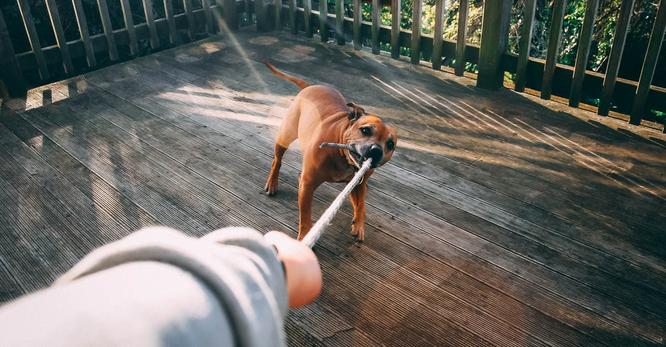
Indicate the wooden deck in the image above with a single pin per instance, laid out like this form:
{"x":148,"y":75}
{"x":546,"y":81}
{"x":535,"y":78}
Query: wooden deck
{"x":501,"y":220}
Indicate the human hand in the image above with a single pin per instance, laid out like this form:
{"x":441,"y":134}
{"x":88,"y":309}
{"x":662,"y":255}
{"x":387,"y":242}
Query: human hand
{"x":302,"y":270}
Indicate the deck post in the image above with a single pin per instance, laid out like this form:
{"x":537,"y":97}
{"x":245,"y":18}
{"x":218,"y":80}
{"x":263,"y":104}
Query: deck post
{"x":11,"y":71}
{"x":494,"y":37}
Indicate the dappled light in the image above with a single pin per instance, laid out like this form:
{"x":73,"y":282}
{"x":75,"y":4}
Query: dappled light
{"x":500,"y":219}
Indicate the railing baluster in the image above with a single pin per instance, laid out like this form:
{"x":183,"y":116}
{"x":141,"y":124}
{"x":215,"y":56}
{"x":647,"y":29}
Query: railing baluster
{"x":584,"y":44}
{"x":82,"y":23}
{"x":230,"y":14}
{"x":108,"y":30}
{"x":187,"y":5}
{"x":615,"y":57}
{"x":129,"y":24}
{"x":437,"y":40}
{"x":357,"y":24}
{"x":375,"y":26}
{"x":553,"y":48}
{"x":150,"y":21}
{"x":395,"y":29}
{"x":210,"y":27}
{"x":323,"y":20}
{"x":171,"y":21}
{"x":33,"y":38}
{"x":649,"y":65}
{"x":461,"y":39}
{"x":278,"y":14}
{"x":292,"y":16}
{"x":416,"y":31}
{"x":525,"y":43}
{"x":339,"y":22}
{"x":307,"y":15}
{"x":260,"y":12}
{"x":61,"y":41}
{"x":11,"y":70}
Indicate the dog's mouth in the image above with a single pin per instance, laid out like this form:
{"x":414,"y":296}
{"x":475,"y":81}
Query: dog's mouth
{"x":354,"y":157}
{"x":353,"y":153}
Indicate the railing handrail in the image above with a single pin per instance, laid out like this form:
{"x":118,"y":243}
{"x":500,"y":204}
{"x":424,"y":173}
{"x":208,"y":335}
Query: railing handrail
{"x":491,"y":56}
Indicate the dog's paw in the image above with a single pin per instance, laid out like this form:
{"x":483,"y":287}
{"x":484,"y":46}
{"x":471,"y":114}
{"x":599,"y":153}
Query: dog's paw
{"x":358,"y":231}
{"x":270,"y":188}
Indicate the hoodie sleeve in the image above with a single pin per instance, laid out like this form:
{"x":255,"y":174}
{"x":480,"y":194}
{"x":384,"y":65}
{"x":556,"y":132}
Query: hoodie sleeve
{"x":160,"y":287}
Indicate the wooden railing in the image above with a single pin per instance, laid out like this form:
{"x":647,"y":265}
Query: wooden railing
{"x":633,"y":98}
{"x":54,"y":62}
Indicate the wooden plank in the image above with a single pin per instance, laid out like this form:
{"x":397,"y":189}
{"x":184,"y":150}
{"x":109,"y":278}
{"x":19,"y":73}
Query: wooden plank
{"x":323,"y":20}
{"x":395,"y":29}
{"x":649,"y":65}
{"x":171,"y":21}
{"x":552,"y":55}
{"x":416,"y":31}
{"x":129,"y":25}
{"x":583,"y":52}
{"x":188,"y":113}
{"x":615,"y":56}
{"x":339,"y":22}
{"x":210,"y":23}
{"x":461,"y":38}
{"x":307,"y":17}
{"x":529,"y":10}
{"x":108,"y":29}
{"x":33,"y":38}
{"x":278,"y":14}
{"x":292,"y":16}
{"x":437,"y":38}
{"x":59,"y":33}
{"x":117,"y":205}
{"x":82,"y":24}
{"x":191,"y":24}
{"x":11,"y":74}
{"x":358,"y":43}
{"x":494,"y":37}
{"x":150,"y":21}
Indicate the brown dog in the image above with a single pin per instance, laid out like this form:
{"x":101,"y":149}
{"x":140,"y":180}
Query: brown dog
{"x":320,"y":114}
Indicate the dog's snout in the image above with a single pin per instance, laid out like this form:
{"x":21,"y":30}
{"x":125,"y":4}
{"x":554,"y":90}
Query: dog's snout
{"x":376,"y":153}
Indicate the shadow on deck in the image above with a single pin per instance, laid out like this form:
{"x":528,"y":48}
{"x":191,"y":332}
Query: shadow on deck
{"x":502,"y":219}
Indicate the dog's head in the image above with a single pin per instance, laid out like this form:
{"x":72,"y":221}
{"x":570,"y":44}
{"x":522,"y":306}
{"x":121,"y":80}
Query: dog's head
{"x":370,"y":137}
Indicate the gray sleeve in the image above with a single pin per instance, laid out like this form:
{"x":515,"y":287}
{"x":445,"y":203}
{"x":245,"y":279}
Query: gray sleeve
{"x":160,"y":287}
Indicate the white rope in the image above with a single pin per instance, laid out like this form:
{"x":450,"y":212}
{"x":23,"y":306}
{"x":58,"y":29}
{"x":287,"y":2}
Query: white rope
{"x":325,"y":220}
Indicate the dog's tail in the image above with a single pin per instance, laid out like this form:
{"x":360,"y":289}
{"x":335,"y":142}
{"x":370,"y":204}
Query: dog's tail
{"x":299,"y":82}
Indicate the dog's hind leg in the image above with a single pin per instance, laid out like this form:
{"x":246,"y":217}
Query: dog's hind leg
{"x":287,"y":134}
{"x":272,"y":182}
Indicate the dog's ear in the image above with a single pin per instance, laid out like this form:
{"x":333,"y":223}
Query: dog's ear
{"x":356,"y":111}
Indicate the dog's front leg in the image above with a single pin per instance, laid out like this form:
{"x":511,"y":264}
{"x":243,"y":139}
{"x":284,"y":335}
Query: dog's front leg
{"x":305,"y":194}
{"x":358,"y":203}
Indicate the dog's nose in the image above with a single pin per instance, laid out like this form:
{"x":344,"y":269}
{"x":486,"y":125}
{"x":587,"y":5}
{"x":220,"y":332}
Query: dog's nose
{"x":375,"y":153}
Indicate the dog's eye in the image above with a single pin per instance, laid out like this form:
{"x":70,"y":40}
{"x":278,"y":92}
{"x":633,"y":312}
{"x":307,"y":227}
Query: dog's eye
{"x":367,"y":131}
{"x":390,"y":145}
